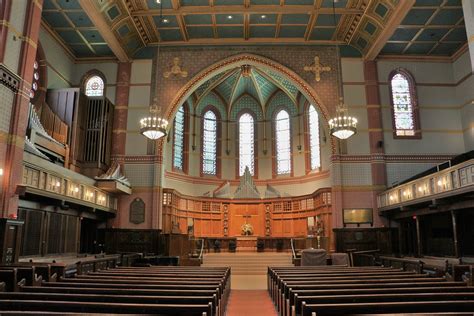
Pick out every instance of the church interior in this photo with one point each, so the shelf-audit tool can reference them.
(237, 157)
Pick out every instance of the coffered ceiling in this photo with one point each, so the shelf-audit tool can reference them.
(129, 29)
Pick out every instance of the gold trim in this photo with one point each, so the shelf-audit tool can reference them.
(18, 34)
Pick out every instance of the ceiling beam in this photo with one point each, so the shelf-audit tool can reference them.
(253, 9)
(398, 15)
(104, 29)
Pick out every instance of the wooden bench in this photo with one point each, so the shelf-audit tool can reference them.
(100, 307)
(27, 273)
(388, 307)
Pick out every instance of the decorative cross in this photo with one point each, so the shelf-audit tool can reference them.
(317, 68)
(176, 69)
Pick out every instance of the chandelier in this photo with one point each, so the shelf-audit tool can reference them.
(342, 125)
(154, 126)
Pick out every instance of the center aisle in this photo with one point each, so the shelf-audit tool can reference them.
(249, 303)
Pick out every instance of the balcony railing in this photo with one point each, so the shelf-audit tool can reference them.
(450, 181)
(48, 183)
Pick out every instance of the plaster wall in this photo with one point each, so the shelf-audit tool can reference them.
(60, 66)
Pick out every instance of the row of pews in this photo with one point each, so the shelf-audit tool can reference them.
(340, 290)
(157, 290)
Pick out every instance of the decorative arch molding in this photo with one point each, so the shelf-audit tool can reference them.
(215, 100)
(278, 101)
(255, 60)
(246, 59)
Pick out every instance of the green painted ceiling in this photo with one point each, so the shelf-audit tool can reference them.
(433, 27)
(257, 83)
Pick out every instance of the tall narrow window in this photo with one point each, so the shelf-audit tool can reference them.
(403, 104)
(313, 125)
(246, 143)
(178, 140)
(283, 142)
(95, 86)
(209, 144)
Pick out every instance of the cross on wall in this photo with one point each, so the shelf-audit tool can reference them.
(317, 68)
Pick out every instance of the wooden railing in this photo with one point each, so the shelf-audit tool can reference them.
(453, 180)
(49, 182)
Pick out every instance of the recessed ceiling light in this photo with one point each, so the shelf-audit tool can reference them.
(165, 20)
(263, 16)
(229, 17)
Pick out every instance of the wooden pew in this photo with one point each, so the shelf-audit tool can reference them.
(388, 307)
(297, 296)
(100, 307)
(377, 297)
(27, 273)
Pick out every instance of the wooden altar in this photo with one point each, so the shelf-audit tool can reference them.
(270, 218)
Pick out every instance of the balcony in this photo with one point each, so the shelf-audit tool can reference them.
(455, 180)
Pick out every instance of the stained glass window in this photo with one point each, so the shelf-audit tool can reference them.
(209, 144)
(402, 105)
(313, 125)
(95, 87)
(283, 142)
(246, 143)
(178, 140)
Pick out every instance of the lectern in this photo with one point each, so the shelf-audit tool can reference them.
(10, 240)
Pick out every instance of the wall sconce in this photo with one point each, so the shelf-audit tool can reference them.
(1, 171)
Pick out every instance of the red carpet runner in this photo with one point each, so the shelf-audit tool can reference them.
(250, 303)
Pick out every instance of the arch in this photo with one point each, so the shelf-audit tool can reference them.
(92, 73)
(214, 100)
(279, 100)
(253, 60)
(404, 104)
(246, 102)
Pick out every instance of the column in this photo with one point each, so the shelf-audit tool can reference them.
(468, 9)
(376, 136)
(119, 131)
(18, 44)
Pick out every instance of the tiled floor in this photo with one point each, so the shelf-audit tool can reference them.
(250, 303)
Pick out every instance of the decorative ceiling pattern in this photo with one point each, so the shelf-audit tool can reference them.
(236, 83)
(130, 29)
(74, 29)
(431, 27)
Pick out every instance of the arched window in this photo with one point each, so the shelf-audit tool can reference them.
(404, 109)
(313, 127)
(179, 139)
(246, 143)
(209, 143)
(283, 142)
(95, 86)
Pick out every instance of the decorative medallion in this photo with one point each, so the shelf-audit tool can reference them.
(317, 68)
(176, 69)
